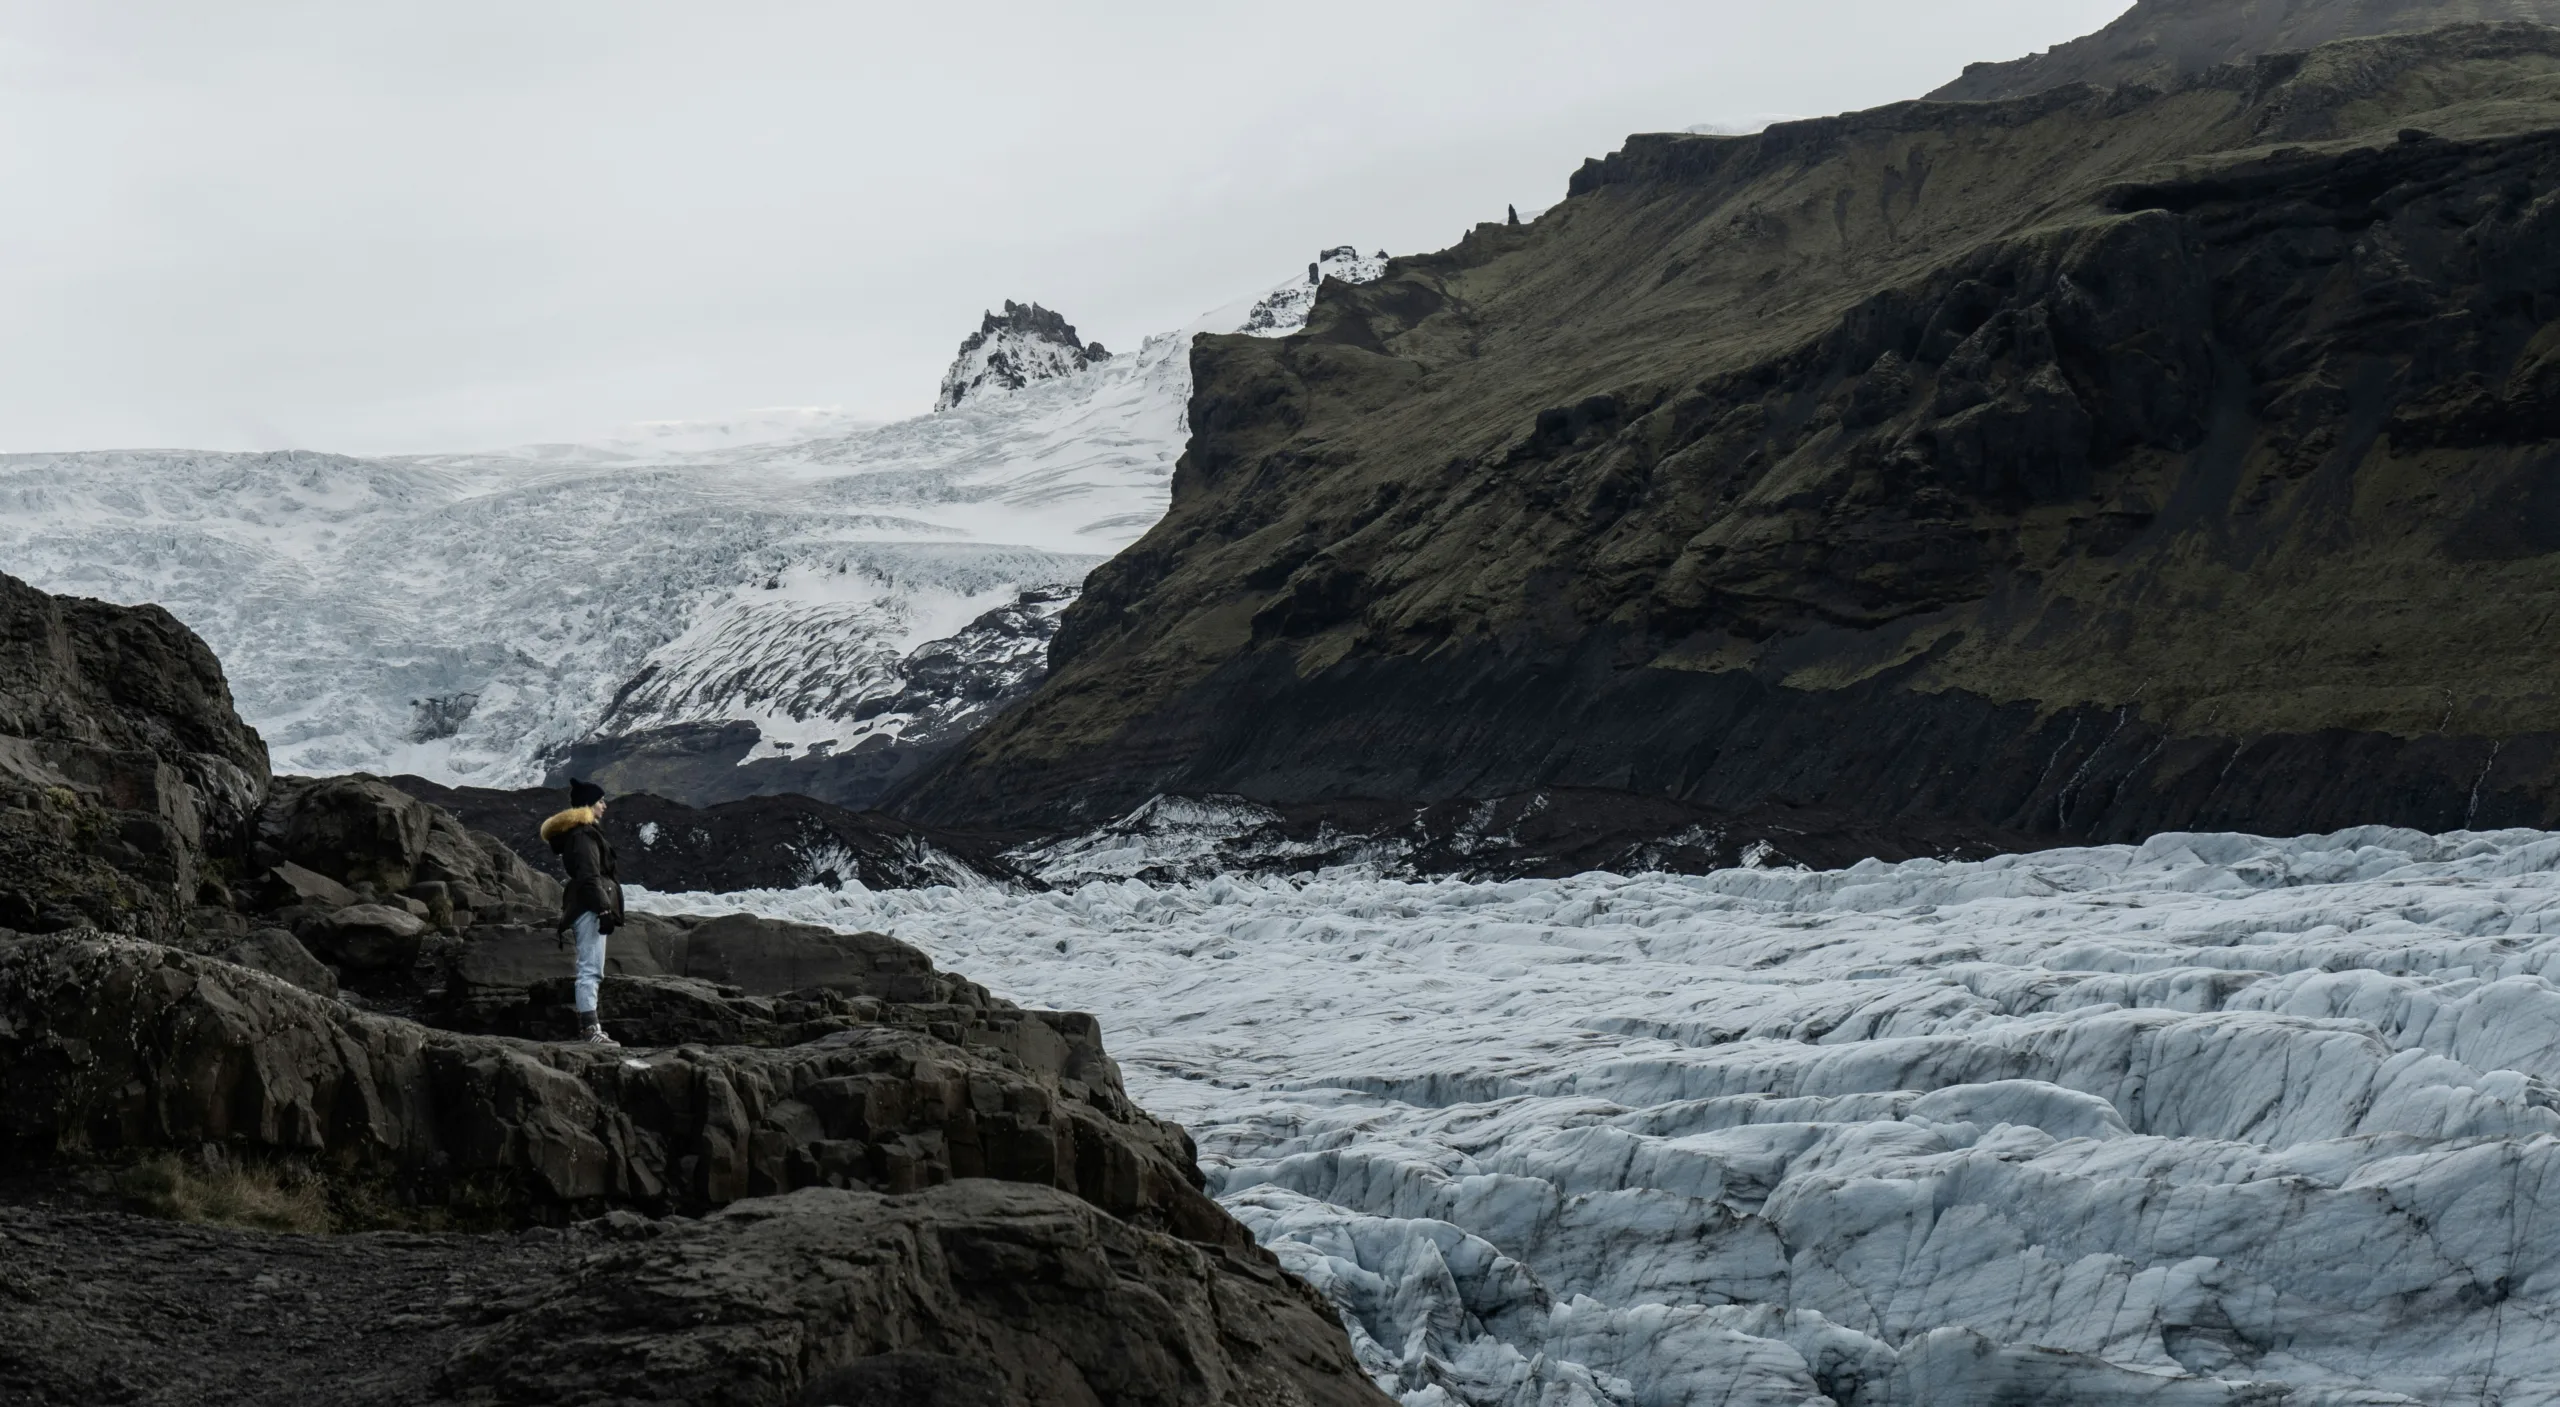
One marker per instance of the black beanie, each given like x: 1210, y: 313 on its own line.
x: 584, y: 793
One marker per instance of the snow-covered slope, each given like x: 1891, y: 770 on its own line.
x: 466, y: 617
x: 2212, y: 1120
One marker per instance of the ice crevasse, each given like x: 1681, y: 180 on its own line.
x: 2215, y: 1119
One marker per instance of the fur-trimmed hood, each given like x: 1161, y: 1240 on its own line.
x: 567, y: 821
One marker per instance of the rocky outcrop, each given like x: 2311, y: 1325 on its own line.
x: 126, y: 778
x: 1284, y: 310
x: 976, y: 1294
x: 352, y: 883
x: 2161, y: 43
x: 163, y: 1050
x: 976, y: 1188
x: 2087, y: 465
x: 893, y: 726
x: 1026, y: 343
x: 744, y: 980
x: 373, y: 840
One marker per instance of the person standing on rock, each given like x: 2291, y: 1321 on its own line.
x: 591, y: 906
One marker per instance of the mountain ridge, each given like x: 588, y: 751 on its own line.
x: 1976, y: 461
x: 2160, y: 43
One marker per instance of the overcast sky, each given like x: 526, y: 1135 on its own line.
x: 385, y: 227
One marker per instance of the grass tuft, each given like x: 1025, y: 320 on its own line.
x: 265, y: 1196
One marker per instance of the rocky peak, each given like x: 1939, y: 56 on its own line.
x: 1024, y: 344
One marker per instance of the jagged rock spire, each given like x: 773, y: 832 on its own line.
x: 1023, y: 344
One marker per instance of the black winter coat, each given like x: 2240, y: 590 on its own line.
x: 595, y: 880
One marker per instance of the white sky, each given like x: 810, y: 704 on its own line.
x: 390, y: 226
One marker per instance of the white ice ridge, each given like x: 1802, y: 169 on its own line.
x: 466, y: 616
x: 2213, y: 1120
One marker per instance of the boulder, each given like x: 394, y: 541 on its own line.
x: 288, y: 884
x: 368, y: 938
x: 278, y: 953
x: 171, y: 1051
x: 210, y: 928
x: 768, y: 957
x: 365, y: 833
x: 434, y: 898
x: 978, y: 1294
x: 483, y: 871
x: 356, y: 830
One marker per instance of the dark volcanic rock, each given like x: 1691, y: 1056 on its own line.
x: 163, y: 1050
x: 775, y: 842
x: 363, y: 836
x: 984, y: 1215
x: 976, y: 1213
x: 278, y: 953
x: 2161, y: 42
x: 99, y: 1306
x: 974, y: 1295
x: 368, y: 937
x: 764, y: 955
x: 126, y: 778
x: 979, y: 1294
x: 670, y: 980
x: 356, y: 830
x: 2086, y: 465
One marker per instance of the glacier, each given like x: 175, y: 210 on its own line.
x: 2212, y: 1119
x: 468, y: 616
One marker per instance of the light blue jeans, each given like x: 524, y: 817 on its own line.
x: 590, y: 933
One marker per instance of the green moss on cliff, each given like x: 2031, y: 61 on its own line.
x: 2224, y: 411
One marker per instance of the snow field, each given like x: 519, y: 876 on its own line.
x: 2216, y: 1119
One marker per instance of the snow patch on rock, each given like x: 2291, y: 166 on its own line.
x: 2213, y: 1119
x: 1023, y: 345
x: 1284, y: 310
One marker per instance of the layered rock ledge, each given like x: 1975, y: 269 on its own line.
x: 116, y: 1047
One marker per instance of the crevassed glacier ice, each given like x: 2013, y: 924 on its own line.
x: 2216, y: 1119
x: 466, y: 616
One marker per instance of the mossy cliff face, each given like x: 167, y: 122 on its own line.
x: 2089, y: 463
x: 127, y: 781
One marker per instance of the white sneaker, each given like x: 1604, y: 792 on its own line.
x: 595, y: 1036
